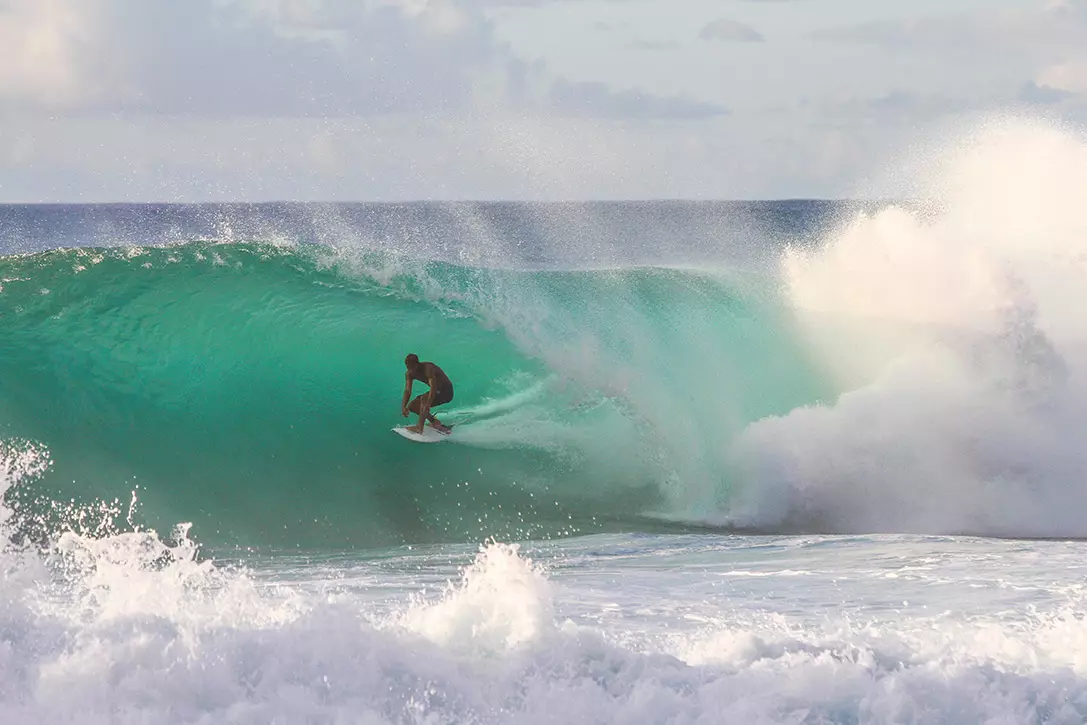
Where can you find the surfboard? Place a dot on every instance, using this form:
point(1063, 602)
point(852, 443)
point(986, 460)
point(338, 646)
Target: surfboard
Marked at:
point(429, 435)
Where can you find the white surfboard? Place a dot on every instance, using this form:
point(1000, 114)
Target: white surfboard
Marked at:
point(429, 435)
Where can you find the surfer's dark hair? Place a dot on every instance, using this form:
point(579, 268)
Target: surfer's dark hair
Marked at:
point(411, 360)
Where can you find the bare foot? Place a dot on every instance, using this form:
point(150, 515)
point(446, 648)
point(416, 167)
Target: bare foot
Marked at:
point(415, 428)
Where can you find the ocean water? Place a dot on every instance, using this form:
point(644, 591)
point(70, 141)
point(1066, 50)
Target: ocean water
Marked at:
point(715, 462)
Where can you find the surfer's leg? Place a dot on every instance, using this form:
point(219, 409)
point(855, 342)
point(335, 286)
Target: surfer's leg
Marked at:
point(424, 414)
point(440, 397)
point(419, 406)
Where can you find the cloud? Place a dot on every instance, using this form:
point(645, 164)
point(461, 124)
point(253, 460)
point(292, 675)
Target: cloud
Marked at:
point(1045, 44)
point(730, 31)
point(923, 31)
point(1068, 7)
point(356, 98)
point(53, 52)
point(656, 45)
point(1035, 31)
point(599, 99)
point(898, 104)
point(207, 57)
point(281, 58)
point(1033, 93)
point(606, 26)
point(1069, 77)
point(537, 3)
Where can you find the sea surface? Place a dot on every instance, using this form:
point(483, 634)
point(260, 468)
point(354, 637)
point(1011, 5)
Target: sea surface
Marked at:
point(713, 462)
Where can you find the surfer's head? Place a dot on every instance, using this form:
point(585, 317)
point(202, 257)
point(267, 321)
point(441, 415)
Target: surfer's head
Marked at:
point(411, 361)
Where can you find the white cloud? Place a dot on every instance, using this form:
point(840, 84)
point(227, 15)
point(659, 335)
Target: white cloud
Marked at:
point(53, 52)
point(730, 31)
point(227, 58)
point(598, 99)
point(1070, 76)
point(1042, 48)
point(1036, 31)
point(656, 45)
point(278, 58)
point(364, 99)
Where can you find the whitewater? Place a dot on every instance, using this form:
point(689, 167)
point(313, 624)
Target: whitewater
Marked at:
point(763, 462)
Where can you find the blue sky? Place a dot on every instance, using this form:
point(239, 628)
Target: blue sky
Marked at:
point(141, 100)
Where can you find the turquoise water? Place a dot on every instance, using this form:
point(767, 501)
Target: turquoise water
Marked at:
point(250, 389)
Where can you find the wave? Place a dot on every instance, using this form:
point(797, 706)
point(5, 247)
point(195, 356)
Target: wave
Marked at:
point(920, 369)
point(250, 388)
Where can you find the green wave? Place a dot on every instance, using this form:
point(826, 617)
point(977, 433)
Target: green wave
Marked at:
point(250, 389)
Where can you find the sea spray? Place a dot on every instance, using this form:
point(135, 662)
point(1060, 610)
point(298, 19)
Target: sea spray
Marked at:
point(956, 332)
point(501, 602)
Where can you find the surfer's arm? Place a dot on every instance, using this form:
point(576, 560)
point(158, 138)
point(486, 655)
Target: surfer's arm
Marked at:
point(407, 394)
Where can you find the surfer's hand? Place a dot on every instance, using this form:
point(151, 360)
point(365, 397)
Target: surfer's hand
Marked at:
point(404, 411)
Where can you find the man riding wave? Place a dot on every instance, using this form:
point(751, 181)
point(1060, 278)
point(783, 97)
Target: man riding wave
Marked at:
point(440, 393)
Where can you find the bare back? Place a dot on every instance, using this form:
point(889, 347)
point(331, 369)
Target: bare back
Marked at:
point(427, 371)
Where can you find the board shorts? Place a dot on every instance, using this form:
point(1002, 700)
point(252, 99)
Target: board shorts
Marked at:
point(442, 396)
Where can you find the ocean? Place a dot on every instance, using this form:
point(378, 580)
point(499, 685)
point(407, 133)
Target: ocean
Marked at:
point(713, 462)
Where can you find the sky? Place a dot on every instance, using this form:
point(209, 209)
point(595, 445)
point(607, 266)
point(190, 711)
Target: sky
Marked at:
point(395, 100)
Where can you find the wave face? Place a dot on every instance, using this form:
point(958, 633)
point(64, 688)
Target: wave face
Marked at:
point(250, 388)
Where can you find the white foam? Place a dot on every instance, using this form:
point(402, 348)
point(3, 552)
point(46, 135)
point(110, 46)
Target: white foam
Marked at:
point(501, 603)
point(130, 629)
point(957, 332)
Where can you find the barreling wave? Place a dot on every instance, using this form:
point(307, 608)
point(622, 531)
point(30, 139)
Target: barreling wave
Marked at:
point(921, 369)
point(249, 388)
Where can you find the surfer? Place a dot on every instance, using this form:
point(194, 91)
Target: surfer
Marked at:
point(440, 393)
